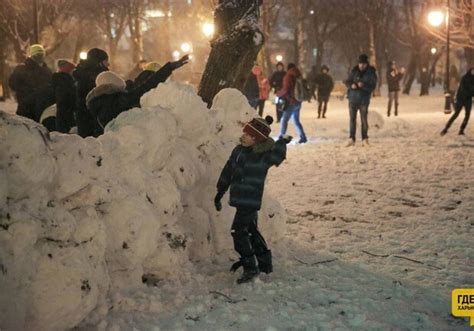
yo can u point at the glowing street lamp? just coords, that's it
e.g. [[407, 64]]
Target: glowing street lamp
[[279, 58], [434, 50], [176, 55], [436, 18], [186, 47], [83, 55], [208, 29]]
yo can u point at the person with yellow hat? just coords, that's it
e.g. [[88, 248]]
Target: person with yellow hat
[[29, 80], [149, 69]]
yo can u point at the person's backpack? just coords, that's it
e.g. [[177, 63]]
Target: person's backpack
[[301, 91]]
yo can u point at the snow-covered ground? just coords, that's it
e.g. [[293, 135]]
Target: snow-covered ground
[[407, 198]]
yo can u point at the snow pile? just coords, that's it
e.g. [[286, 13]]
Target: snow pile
[[84, 219]]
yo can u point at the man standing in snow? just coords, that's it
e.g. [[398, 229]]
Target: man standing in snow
[[276, 82], [464, 97], [393, 81], [324, 84], [361, 83], [29, 81], [245, 174]]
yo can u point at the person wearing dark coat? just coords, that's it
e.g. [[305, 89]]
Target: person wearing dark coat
[[252, 90], [65, 96], [361, 83], [110, 97], [324, 85], [276, 82], [29, 82], [393, 81], [57, 113], [245, 174], [85, 74], [464, 96]]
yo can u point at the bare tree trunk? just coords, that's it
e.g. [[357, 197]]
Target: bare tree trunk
[[134, 23], [3, 67], [233, 49], [411, 74], [299, 37], [78, 48], [469, 55], [373, 53]]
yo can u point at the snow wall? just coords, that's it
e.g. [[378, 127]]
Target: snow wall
[[81, 219]]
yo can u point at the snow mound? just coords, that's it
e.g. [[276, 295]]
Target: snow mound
[[82, 220], [376, 120]]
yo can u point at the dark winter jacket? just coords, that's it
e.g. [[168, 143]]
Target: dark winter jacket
[[287, 91], [246, 170], [393, 80], [324, 84], [30, 81], [65, 99], [85, 75], [276, 81], [362, 95], [251, 89], [143, 76], [466, 88], [106, 102]]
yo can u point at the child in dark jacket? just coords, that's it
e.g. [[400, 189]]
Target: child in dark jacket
[[245, 174]]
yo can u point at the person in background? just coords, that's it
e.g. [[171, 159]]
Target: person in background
[[85, 74], [110, 97], [64, 96], [360, 84], [276, 82], [29, 81], [464, 97], [252, 90], [292, 105], [148, 70], [393, 81], [245, 173], [263, 88], [324, 85]]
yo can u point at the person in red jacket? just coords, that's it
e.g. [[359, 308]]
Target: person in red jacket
[[292, 106]]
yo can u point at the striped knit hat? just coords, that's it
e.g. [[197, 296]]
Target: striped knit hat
[[259, 128]]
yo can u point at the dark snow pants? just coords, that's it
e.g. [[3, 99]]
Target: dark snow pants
[[322, 104], [364, 110], [457, 110], [392, 97], [248, 241]]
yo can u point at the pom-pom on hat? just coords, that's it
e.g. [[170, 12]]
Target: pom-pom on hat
[[259, 128]]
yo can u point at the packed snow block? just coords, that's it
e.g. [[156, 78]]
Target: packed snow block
[[185, 165], [77, 162], [376, 120], [272, 220], [182, 101], [26, 155]]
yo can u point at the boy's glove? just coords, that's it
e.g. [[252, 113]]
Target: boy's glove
[[286, 138], [217, 200]]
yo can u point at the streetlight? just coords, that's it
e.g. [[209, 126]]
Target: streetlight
[[208, 29], [436, 18], [434, 50], [279, 58], [186, 47], [83, 55], [176, 55]]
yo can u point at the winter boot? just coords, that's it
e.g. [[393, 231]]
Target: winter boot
[[265, 262], [461, 132], [302, 140], [235, 266], [350, 143], [250, 269], [365, 142]]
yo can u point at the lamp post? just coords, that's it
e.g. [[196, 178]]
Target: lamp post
[[436, 18]]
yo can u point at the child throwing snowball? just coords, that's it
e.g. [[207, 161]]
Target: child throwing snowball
[[245, 174]]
